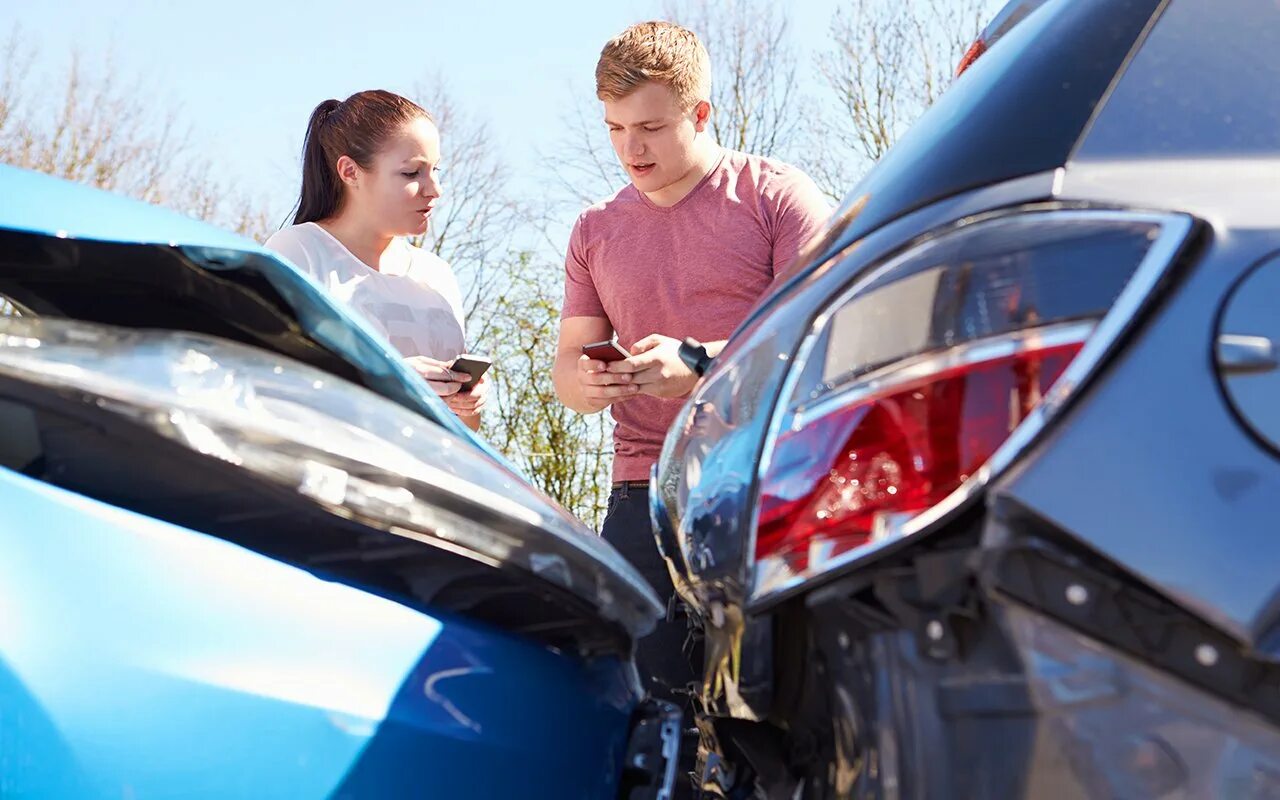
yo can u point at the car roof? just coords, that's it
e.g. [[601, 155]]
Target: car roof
[[37, 203]]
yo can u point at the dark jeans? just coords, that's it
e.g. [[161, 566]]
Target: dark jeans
[[669, 659]]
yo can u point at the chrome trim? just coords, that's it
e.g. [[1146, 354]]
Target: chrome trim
[[1238, 354], [773, 582], [922, 366], [671, 752]]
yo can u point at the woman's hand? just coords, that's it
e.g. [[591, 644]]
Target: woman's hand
[[448, 384], [442, 380], [469, 404]]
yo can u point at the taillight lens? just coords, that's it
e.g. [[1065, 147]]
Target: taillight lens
[[910, 384], [971, 55], [902, 450]]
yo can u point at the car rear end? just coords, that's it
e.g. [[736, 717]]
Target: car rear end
[[976, 504]]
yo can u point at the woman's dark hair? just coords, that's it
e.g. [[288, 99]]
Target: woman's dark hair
[[356, 127]]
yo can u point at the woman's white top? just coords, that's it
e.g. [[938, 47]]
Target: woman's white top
[[414, 301]]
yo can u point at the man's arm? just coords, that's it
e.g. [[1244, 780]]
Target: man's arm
[[583, 384]]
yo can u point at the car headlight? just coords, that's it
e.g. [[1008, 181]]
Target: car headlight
[[347, 449]]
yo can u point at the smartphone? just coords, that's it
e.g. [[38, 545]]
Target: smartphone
[[473, 365], [605, 351]]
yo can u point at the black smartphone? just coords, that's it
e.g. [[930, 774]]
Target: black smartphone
[[473, 365], [605, 351]]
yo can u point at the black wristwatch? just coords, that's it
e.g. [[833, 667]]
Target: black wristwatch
[[694, 355]]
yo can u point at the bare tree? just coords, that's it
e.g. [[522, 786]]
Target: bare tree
[[588, 170], [478, 217], [888, 62], [97, 127], [755, 93], [565, 453], [17, 62]]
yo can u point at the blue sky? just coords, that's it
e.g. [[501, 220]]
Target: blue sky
[[247, 74]]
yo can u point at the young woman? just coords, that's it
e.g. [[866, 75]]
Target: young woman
[[370, 176]]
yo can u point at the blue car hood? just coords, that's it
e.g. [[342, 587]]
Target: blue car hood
[[44, 206]]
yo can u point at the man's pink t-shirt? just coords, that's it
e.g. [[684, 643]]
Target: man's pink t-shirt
[[692, 269]]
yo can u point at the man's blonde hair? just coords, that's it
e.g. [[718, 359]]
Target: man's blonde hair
[[654, 51]]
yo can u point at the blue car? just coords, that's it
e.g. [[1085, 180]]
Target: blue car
[[244, 552]]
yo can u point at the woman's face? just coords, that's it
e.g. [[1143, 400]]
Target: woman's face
[[399, 191]]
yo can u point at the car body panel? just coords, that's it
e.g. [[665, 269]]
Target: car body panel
[[1199, 88], [140, 267], [157, 660], [1164, 504], [209, 427], [1162, 494]]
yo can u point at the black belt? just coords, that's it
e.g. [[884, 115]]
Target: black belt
[[631, 485]]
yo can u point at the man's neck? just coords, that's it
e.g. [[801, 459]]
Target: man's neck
[[365, 245], [673, 193]]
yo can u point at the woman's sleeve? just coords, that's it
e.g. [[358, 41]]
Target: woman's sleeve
[[286, 243]]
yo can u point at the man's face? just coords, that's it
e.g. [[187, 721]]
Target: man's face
[[653, 136]]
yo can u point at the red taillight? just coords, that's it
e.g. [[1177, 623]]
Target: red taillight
[[898, 451], [888, 395], [971, 55]]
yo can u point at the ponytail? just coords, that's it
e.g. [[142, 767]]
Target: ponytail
[[321, 190]]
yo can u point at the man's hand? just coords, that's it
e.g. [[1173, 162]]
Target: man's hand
[[600, 387], [655, 368], [469, 404], [442, 380]]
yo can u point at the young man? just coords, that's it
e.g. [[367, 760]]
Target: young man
[[685, 250]]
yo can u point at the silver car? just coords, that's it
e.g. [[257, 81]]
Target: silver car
[[983, 501]]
